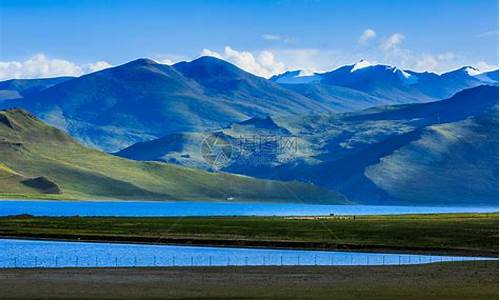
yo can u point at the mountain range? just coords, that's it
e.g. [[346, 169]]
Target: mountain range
[[40, 161], [375, 134], [441, 152], [362, 85], [143, 100]]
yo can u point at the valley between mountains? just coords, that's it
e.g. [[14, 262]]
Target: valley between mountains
[[366, 134]]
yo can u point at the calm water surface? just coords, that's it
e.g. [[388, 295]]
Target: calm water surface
[[174, 209], [43, 254]]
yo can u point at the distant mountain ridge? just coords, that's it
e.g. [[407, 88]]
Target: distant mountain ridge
[[143, 100], [371, 85], [20, 88], [353, 75], [366, 131]]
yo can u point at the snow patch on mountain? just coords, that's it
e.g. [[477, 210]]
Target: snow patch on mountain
[[405, 76], [472, 71], [360, 65], [296, 77]]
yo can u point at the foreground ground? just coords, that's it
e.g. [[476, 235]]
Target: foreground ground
[[467, 234], [473, 280]]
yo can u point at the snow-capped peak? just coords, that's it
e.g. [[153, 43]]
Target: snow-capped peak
[[472, 71], [360, 65], [297, 76]]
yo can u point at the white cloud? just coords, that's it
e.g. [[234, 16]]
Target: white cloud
[[267, 62], [277, 37], [485, 67], [169, 59], [40, 66], [165, 61], [317, 60], [426, 62], [435, 62], [392, 42], [391, 53], [97, 66], [367, 35], [208, 52], [311, 60], [261, 64]]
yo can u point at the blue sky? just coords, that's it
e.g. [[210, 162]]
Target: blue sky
[[264, 37]]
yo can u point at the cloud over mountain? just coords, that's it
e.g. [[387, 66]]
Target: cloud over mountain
[[392, 41], [39, 65], [262, 64], [367, 35], [270, 61]]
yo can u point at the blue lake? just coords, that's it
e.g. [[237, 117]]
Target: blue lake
[[44, 254], [178, 209]]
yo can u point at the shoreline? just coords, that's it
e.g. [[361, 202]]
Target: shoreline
[[254, 244], [496, 209]]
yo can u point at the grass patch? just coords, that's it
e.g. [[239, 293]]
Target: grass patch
[[475, 234]]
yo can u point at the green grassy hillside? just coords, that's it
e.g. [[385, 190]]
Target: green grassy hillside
[[17, 183], [31, 149]]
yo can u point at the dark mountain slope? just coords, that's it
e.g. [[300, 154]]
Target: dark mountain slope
[[355, 153]]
